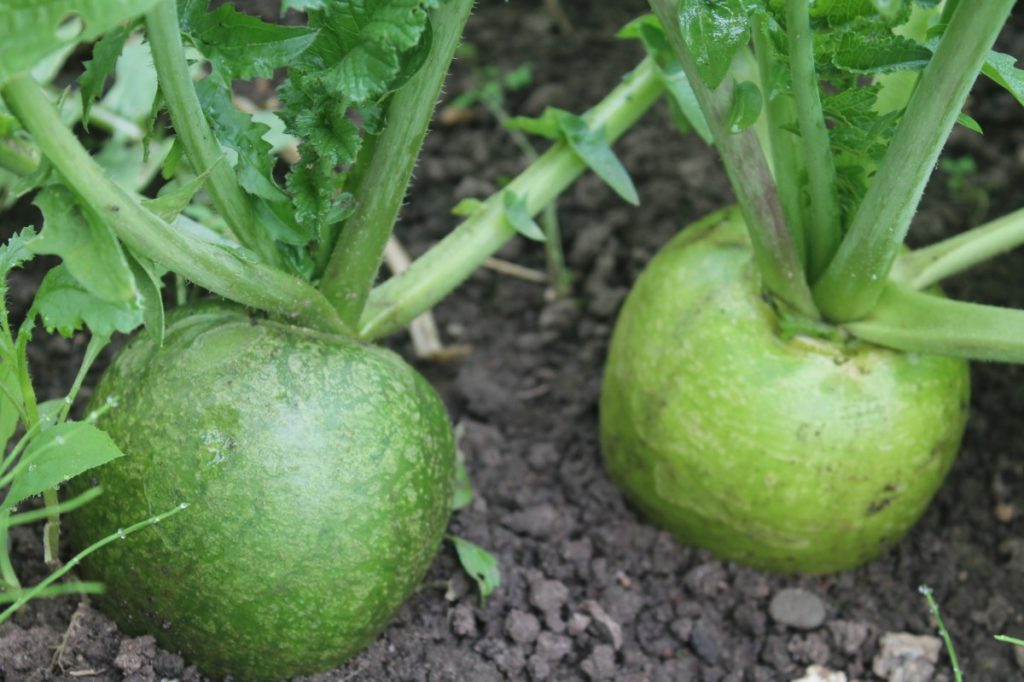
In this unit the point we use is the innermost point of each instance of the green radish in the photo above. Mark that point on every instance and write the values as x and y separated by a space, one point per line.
302 453
785 385
783 453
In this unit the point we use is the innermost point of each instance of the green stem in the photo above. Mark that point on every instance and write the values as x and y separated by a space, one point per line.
916 322
15 161
38 589
194 131
932 264
431 277
211 266
857 275
33 515
823 229
751 179
786 166
7 572
92 351
77 588
933 606
558 274
51 531
356 258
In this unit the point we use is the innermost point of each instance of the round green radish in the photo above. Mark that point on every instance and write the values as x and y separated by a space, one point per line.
796 454
318 473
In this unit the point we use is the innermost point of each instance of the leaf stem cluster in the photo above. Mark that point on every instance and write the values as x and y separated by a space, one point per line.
843 177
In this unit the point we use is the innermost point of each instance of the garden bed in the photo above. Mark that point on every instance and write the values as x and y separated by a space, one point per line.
589 590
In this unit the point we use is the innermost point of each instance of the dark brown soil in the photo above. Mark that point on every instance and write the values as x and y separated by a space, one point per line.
589 590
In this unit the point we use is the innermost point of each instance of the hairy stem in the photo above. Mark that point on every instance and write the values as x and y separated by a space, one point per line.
823 229
194 131
774 251
854 280
219 269
932 264
356 258
432 276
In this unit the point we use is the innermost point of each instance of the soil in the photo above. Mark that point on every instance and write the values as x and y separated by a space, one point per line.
589 590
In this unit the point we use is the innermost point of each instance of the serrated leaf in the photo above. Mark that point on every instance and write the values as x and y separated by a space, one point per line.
467 207
311 186
324 126
870 47
745 107
479 564
518 216
363 43
149 278
66 307
593 149
714 30
239 45
859 137
32 29
238 132
1002 68
88 247
58 454
99 68
15 252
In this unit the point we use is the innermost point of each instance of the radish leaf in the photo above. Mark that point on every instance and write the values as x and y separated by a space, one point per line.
480 564
714 30
1003 70
31 30
593 149
101 66
519 218
56 455
240 45
66 307
88 247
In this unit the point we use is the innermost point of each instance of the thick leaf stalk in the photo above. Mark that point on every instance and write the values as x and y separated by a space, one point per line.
917 322
774 250
823 231
356 258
